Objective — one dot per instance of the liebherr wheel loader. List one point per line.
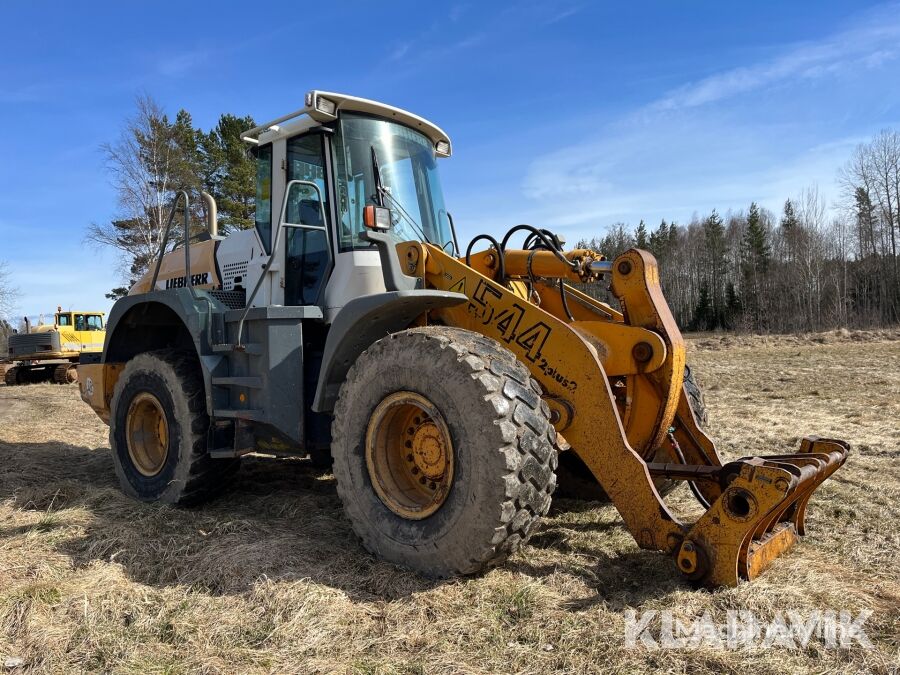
(442, 384)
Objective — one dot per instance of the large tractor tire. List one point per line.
(443, 451)
(158, 432)
(577, 482)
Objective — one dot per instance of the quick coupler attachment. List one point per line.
(759, 513)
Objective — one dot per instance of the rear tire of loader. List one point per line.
(577, 482)
(158, 432)
(501, 450)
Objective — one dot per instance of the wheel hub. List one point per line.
(429, 452)
(409, 455)
(147, 434)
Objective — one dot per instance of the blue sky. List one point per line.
(565, 114)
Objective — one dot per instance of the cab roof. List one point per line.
(323, 106)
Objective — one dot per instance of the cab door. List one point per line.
(307, 250)
(81, 332)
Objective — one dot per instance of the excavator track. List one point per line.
(10, 375)
(65, 373)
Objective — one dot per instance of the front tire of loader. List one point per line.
(577, 482)
(158, 432)
(471, 417)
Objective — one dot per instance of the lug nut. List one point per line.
(409, 457)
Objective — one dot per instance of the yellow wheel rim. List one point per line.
(409, 455)
(147, 434)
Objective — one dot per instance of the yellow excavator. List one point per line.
(441, 385)
(50, 352)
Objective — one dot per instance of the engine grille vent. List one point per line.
(231, 299)
(234, 273)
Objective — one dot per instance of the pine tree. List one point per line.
(703, 311)
(659, 239)
(229, 171)
(756, 248)
(640, 236)
(789, 219)
(733, 306)
(716, 266)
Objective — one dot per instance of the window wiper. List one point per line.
(382, 192)
(379, 188)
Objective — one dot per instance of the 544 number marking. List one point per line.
(508, 321)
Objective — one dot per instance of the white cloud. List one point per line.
(176, 65)
(870, 44)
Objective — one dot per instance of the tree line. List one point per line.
(799, 270)
(154, 158)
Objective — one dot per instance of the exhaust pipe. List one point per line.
(27, 325)
(212, 216)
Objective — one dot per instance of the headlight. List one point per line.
(326, 106)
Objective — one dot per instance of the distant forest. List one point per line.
(800, 270)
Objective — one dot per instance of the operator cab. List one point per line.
(317, 170)
(80, 321)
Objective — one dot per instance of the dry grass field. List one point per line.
(270, 578)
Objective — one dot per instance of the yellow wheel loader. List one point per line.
(50, 352)
(442, 385)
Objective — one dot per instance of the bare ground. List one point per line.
(270, 577)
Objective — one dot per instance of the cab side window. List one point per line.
(264, 195)
(94, 322)
(306, 250)
(80, 323)
(64, 320)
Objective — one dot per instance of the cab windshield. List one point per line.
(409, 184)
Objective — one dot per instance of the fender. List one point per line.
(194, 328)
(360, 323)
(193, 312)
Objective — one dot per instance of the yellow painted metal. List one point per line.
(568, 368)
(96, 382)
(614, 383)
(409, 455)
(172, 271)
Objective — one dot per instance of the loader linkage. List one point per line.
(759, 512)
(614, 383)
